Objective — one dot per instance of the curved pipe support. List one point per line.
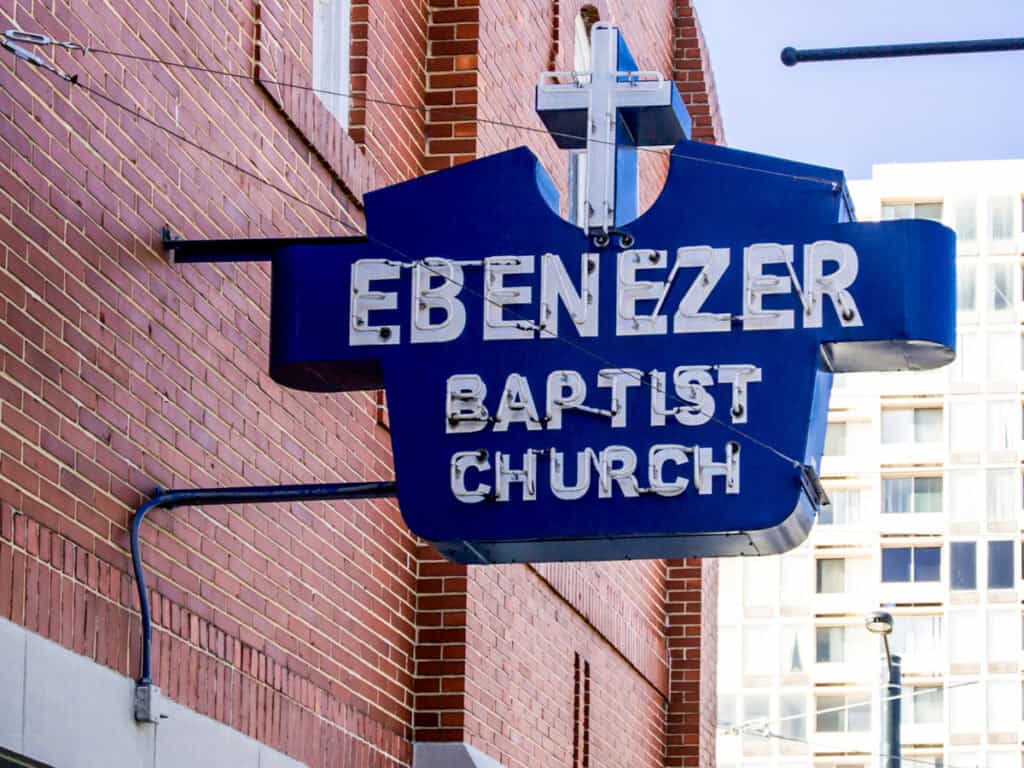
(208, 496)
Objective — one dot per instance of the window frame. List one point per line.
(913, 503)
(818, 561)
(995, 545)
(962, 547)
(913, 563)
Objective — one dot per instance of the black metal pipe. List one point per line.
(249, 495)
(793, 56)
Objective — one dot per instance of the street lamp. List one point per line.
(880, 623)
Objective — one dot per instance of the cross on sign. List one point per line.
(611, 110)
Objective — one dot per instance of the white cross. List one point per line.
(585, 112)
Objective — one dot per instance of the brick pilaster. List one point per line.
(453, 31)
(691, 68)
(440, 654)
(358, 68)
(691, 634)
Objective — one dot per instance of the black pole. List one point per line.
(793, 56)
(249, 495)
(893, 744)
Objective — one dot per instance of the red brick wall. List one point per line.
(326, 631)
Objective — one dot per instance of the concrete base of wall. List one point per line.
(428, 754)
(62, 709)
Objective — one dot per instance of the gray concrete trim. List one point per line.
(63, 709)
(450, 754)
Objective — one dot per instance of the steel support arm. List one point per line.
(793, 56)
(244, 249)
(211, 496)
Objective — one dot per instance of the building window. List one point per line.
(911, 495)
(966, 286)
(726, 709)
(965, 222)
(1002, 494)
(966, 426)
(792, 653)
(911, 564)
(1002, 356)
(966, 368)
(332, 35)
(759, 649)
(922, 704)
(1003, 425)
(830, 644)
(917, 636)
(795, 580)
(1003, 709)
(1000, 211)
(1001, 295)
(835, 439)
(1000, 565)
(760, 581)
(963, 565)
(793, 711)
(831, 575)
(966, 487)
(755, 707)
(1002, 636)
(840, 714)
(844, 507)
(967, 708)
(912, 425)
(892, 211)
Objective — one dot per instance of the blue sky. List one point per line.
(852, 114)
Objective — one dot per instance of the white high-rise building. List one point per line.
(924, 474)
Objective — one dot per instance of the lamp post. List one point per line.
(880, 623)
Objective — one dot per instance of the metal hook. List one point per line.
(36, 61)
(37, 38)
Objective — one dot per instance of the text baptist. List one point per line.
(511, 310)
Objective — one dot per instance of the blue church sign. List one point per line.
(568, 393)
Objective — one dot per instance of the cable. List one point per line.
(921, 690)
(758, 727)
(831, 748)
(196, 145)
(43, 40)
(642, 379)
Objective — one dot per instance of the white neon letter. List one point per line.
(705, 470)
(834, 285)
(660, 455)
(462, 462)
(739, 376)
(565, 389)
(629, 291)
(505, 476)
(516, 405)
(619, 380)
(699, 405)
(364, 301)
(618, 463)
(464, 403)
(757, 285)
(442, 298)
(585, 459)
(689, 318)
(556, 287)
(497, 296)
